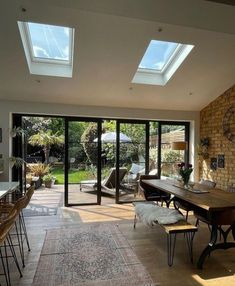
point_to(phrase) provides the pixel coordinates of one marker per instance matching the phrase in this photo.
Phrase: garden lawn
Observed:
(75, 176)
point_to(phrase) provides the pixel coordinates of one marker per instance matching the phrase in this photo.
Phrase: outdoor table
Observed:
(218, 207)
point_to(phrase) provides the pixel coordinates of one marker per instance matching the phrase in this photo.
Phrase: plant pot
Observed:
(48, 184)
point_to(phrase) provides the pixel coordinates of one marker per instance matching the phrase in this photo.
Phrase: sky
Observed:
(157, 54)
(49, 42)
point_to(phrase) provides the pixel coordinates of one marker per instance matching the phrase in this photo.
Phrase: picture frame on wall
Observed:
(0, 135)
(213, 164)
(1, 164)
(220, 161)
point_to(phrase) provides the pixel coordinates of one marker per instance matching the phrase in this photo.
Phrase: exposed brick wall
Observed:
(211, 126)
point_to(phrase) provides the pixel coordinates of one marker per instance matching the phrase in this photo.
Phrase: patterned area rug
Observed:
(90, 254)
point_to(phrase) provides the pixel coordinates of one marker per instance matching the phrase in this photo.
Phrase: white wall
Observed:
(9, 107)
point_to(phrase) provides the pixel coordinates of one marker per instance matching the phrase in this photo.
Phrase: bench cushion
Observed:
(153, 214)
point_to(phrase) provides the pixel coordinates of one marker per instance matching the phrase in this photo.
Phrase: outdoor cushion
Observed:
(135, 169)
(153, 172)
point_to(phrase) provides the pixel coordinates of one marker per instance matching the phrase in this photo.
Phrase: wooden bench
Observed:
(172, 230)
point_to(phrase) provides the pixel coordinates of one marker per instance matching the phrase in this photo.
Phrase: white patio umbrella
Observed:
(110, 137)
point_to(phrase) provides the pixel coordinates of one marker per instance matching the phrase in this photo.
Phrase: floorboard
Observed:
(148, 243)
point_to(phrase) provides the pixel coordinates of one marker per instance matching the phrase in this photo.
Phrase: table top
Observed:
(215, 199)
(6, 187)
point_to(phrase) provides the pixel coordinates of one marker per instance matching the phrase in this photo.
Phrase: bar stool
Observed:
(20, 227)
(23, 230)
(5, 241)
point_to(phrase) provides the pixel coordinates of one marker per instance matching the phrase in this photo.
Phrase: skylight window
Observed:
(160, 62)
(48, 48)
(49, 42)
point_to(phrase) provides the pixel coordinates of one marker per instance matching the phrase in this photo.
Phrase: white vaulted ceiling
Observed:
(110, 39)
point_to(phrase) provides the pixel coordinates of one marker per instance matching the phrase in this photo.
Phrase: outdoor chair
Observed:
(134, 173)
(108, 185)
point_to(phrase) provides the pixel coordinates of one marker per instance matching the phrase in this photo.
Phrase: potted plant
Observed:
(48, 180)
(39, 169)
(185, 171)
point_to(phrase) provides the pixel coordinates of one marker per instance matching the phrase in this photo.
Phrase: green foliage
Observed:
(46, 140)
(171, 156)
(39, 169)
(90, 147)
(76, 150)
(75, 176)
(109, 126)
(153, 153)
(48, 178)
(76, 129)
(153, 128)
(169, 160)
(16, 162)
(56, 125)
(129, 152)
(132, 151)
(17, 131)
(35, 124)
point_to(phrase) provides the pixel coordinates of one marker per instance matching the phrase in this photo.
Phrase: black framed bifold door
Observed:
(18, 151)
(132, 158)
(82, 161)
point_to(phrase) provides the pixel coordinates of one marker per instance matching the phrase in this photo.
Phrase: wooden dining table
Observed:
(215, 205)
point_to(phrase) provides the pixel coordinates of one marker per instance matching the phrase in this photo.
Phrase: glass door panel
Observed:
(171, 156)
(82, 166)
(153, 147)
(132, 159)
(108, 161)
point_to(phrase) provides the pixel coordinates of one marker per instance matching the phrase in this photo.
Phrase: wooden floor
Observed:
(148, 243)
(87, 194)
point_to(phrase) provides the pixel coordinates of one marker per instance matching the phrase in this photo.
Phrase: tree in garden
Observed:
(137, 134)
(90, 147)
(75, 131)
(34, 123)
(128, 151)
(46, 140)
